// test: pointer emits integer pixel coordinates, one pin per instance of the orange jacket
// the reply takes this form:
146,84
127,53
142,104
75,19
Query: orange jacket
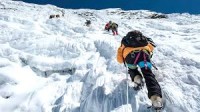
123,51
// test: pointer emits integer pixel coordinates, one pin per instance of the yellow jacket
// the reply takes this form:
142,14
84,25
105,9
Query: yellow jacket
123,51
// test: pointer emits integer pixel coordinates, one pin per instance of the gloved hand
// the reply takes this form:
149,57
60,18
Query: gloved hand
151,55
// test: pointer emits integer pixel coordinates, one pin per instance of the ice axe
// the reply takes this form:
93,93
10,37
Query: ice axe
154,65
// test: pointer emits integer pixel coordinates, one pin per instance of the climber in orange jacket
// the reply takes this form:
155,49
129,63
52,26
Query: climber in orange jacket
136,51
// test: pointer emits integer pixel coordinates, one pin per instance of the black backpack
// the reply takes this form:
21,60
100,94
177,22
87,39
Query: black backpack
134,39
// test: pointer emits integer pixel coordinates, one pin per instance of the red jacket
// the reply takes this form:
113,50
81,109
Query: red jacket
107,26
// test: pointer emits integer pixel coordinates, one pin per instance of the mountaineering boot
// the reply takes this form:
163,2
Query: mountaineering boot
114,33
156,102
138,82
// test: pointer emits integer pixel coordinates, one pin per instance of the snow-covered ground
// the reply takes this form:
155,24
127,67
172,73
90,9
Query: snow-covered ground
60,65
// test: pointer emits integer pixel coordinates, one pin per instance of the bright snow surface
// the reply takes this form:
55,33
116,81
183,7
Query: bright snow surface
61,65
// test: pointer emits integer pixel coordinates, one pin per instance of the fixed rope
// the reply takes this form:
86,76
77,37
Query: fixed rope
127,85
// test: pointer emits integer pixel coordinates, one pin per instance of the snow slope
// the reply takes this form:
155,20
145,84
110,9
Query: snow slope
60,65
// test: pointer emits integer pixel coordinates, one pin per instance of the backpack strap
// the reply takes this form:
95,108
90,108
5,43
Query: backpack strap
137,57
144,57
145,60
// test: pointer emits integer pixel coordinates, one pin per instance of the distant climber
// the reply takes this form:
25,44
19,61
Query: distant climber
107,26
113,26
51,16
54,16
57,15
136,51
88,23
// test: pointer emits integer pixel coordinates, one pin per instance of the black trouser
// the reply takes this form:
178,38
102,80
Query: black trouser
114,29
107,28
152,85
